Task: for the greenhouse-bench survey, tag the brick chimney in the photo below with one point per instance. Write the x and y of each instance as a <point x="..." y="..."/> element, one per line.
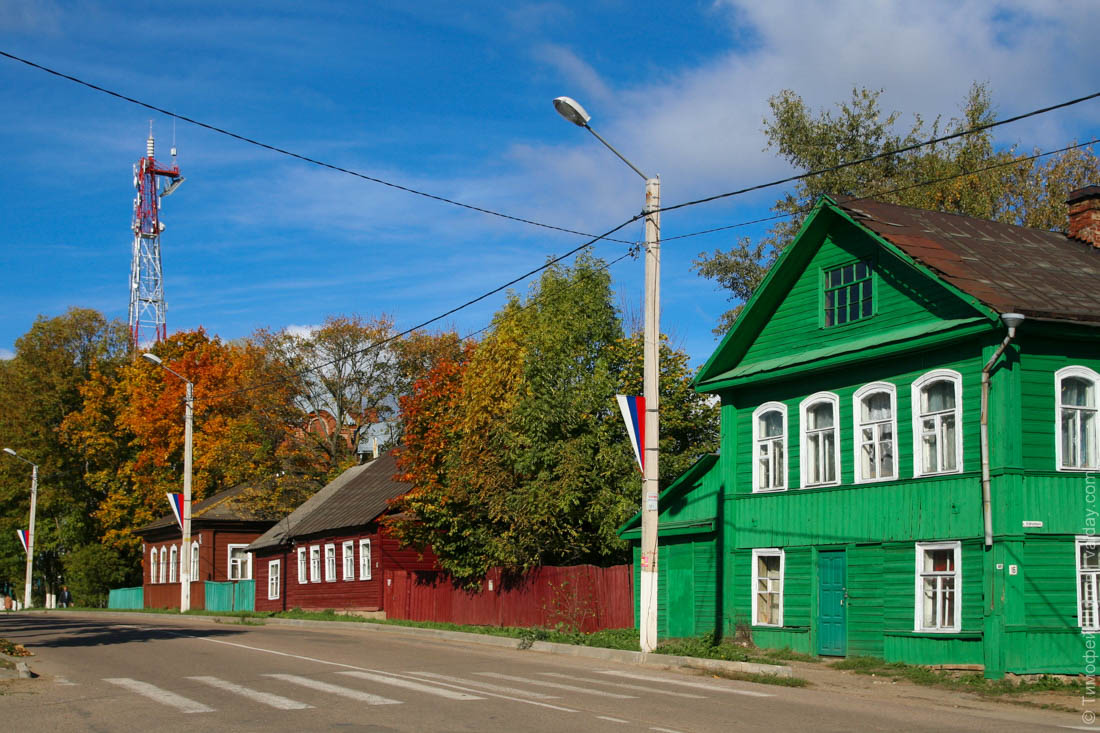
<point x="1084" y="215"/>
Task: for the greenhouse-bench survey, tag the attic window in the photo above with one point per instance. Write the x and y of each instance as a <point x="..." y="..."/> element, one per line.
<point x="848" y="294"/>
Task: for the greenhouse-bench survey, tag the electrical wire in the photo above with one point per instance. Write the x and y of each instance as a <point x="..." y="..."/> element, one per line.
<point x="297" y="156"/>
<point x="887" y="192"/>
<point x="883" y="154"/>
<point x="378" y="344"/>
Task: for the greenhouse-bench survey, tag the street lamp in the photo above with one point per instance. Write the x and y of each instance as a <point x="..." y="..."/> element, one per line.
<point x="571" y="110"/>
<point x="185" y="550"/>
<point x="30" y="532"/>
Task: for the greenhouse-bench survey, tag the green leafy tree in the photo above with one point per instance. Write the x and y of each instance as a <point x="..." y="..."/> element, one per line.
<point x="518" y="455"/>
<point x="966" y="175"/>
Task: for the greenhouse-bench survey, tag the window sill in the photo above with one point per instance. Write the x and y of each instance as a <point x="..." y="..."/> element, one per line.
<point x="928" y="634"/>
<point x="790" y="629"/>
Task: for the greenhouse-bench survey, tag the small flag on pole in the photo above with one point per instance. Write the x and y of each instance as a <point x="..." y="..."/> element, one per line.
<point x="22" y="534"/>
<point x="176" y="500"/>
<point x="633" y="409"/>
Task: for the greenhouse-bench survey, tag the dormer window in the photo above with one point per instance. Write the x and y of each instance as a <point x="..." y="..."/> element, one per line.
<point x="848" y="294"/>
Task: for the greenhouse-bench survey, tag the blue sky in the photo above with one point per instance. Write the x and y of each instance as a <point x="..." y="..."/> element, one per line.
<point x="453" y="99"/>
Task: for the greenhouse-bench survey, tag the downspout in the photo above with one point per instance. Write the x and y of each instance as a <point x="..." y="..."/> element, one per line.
<point x="1011" y="320"/>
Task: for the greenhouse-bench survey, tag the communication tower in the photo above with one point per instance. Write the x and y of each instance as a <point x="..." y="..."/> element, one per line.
<point x="147" y="323"/>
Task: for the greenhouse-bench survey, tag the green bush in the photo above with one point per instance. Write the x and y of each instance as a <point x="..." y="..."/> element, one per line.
<point x="91" y="571"/>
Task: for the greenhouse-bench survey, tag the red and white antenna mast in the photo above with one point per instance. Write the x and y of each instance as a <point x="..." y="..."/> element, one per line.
<point x="147" y="323"/>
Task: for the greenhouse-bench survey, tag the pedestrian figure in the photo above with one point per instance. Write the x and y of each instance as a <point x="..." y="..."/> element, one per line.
<point x="66" y="597"/>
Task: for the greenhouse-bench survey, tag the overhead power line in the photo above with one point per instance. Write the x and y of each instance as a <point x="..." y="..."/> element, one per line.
<point x="887" y="192"/>
<point x="883" y="154"/>
<point x="297" y="156"/>
<point x="378" y="344"/>
<point x="531" y="222"/>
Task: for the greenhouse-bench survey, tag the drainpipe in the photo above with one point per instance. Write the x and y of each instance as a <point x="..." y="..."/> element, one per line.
<point x="1011" y="321"/>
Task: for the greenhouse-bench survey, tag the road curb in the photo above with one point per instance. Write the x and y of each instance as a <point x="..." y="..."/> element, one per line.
<point x="658" y="661"/>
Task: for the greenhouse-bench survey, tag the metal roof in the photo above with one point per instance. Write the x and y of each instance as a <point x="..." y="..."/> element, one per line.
<point x="218" y="507"/>
<point x="1011" y="269"/>
<point x="356" y="497"/>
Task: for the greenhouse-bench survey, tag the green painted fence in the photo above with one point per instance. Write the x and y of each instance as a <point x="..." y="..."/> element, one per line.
<point x="126" y="598"/>
<point x="233" y="596"/>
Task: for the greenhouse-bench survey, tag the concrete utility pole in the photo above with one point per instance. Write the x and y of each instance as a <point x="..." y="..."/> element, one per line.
<point x="30" y="531"/>
<point x="571" y="110"/>
<point x="185" y="549"/>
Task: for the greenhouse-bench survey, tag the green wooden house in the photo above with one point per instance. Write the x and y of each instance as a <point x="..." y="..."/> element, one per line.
<point x="855" y="507"/>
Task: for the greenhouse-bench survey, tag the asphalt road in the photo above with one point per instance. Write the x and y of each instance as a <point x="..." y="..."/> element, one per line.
<point x="168" y="673"/>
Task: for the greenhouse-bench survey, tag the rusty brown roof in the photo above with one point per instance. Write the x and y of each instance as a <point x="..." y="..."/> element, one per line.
<point x="1009" y="268"/>
<point x="218" y="507"/>
<point x="353" y="499"/>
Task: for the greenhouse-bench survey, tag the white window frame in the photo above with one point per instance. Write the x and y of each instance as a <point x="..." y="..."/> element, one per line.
<point x="857" y="429"/>
<point x="194" y="561"/>
<point x="1094" y="582"/>
<point x="1081" y="373"/>
<point x="173" y="565"/>
<point x="330" y="563"/>
<point x="918" y="601"/>
<point x="315" y="564"/>
<point x="348" y="559"/>
<point x="247" y="570"/>
<point x="768" y="552"/>
<point x="154" y="557"/>
<point x="804" y="455"/>
<point x="164" y="564"/>
<point x="273" y="572"/>
<point x="925" y="380"/>
<point x="364" y="560"/>
<point x="756" y="440"/>
<point x="303" y="566"/>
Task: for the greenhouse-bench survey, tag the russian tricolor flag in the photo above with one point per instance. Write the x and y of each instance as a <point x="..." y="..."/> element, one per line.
<point x="633" y="409"/>
<point x="176" y="500"/>
<point x="22" y="534"/>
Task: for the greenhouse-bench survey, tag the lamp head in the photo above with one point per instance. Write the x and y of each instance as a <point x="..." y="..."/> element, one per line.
<point x="1012" y="321"/>
<point x="572" y="110"/>
<point x="151" y="357"/>
<point x="10" y="452"/>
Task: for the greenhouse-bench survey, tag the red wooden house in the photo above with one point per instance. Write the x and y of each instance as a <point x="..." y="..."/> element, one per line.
<point x="331" y="551"/>
<point x="220" y="533"/>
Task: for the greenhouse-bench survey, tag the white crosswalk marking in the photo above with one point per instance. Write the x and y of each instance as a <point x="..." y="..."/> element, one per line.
<point x="521" y="695"/>
<point x="410" y="685"/>
<point x="626" y="686"/>
<point x="267" y="698"/>
<point x="359" y="695"/>
<point x="558" y="686"/>
<point x="486" y="686"/>
<point x="164" y="697"/>
<point x="685" y="683"/>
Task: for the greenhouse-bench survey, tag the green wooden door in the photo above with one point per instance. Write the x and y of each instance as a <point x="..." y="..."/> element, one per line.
<point x="680" y="592"/>
<point x="832" y="627"/>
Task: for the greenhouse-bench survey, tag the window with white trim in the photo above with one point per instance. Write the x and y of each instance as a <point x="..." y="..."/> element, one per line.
<point x="194" y="561"/>
<point x="173" y="563"/>
<point x="348" y="550"/>
<point x="153" y="566"/>
<point x="937" y="419"/>
<point x="1078" y="442"/>
<point x="330" y="563"/>
<point x="820" y="443"/>
<point x="769" y="437"/>
<point x="164" y="564"/>
<point x="303" y="566"/>
<point x="939" y="586"/>
<point x="767" y="587"/>
<point x="240" y="563"/>
<point x="315" y="564"/>
<point x="874" y="408"/>
<point x="1088" y="583"/>
<point x="364" y="560"/>
<point x="273" y="580"/>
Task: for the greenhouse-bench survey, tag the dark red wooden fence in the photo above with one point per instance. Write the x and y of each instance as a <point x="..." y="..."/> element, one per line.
<point x="582" y="597"/>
